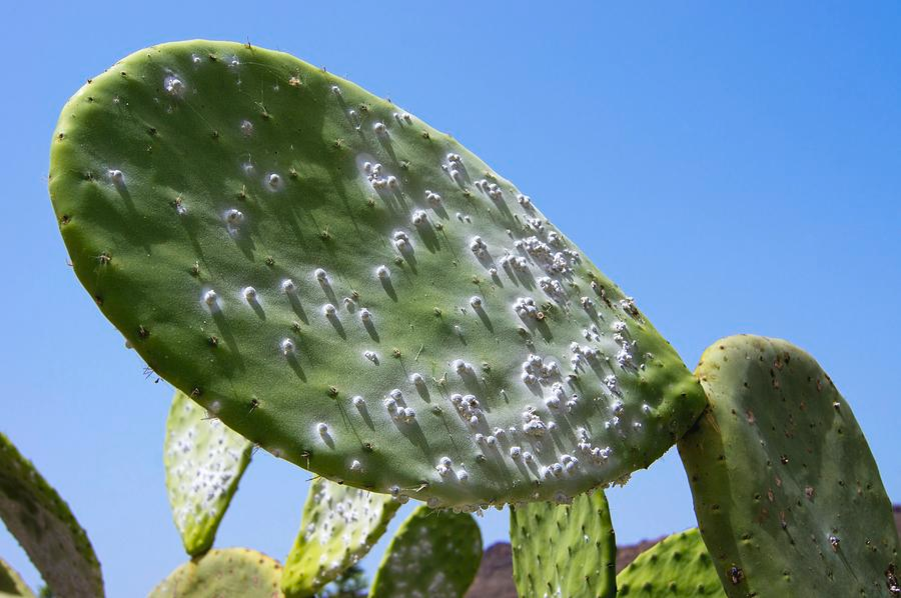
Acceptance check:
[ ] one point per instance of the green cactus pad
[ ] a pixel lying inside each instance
(204, 462)
(564, 550)
(787, 494)
(676, 567)
(11, 583)
(434, 554)
(351, 289)
(227, 572)
(339, 526)
(45, 527)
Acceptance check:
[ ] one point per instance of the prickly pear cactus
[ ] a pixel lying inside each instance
(564, 550)
(676, 567)
(787, 494)
(204, 463)
(340, 525)
(45, 527)
(350, 288)
(434, 554)
(11, 583)
(227, 572)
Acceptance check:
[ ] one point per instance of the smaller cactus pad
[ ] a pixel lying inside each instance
(564, 549)
(11, 583)
(352, 289)
(204, 462)
(434, 554)
(45, 527)
(339, 526)
(787, 494)
(676, 567)
(226, 573)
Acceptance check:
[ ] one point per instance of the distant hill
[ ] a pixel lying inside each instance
(495, 577)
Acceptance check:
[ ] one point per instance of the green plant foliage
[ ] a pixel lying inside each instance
(11, 583)
(339, 526)
(676, 567)
(434, 554)
(45, 527)
(238, 572)
(564, 550)
(204, 462)
(787, 494)
(351, 289)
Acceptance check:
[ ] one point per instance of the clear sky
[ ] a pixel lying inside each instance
(734, 166)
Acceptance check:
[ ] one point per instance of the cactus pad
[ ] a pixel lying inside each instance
(340, 525)
(204, 462)
(433, 553)
(350, 288)
(564, 550)
(676, 567)
(787, 494)
(45, 527)
(220, 573)
(11, 583)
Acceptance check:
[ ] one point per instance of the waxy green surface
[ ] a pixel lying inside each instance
(340, 525)
(434, 553)
(276, 241)
(225, 573)
(204, 462)
(788, 497)
(678, 566)
(564, 549)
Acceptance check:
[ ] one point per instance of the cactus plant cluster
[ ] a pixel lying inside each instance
(340, 524)
(321, 274)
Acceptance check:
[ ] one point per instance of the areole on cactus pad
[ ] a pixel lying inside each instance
(350, 288)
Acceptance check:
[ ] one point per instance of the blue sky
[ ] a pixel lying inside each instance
(734, 166)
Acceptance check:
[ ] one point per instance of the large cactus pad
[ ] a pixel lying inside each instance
(434, 554)
(787, 494)
(204, 462)
(676, 567)
(45, 527)
(11, 583)
(227, 572)
(339, 526)
(564, 550)
(350, 288)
